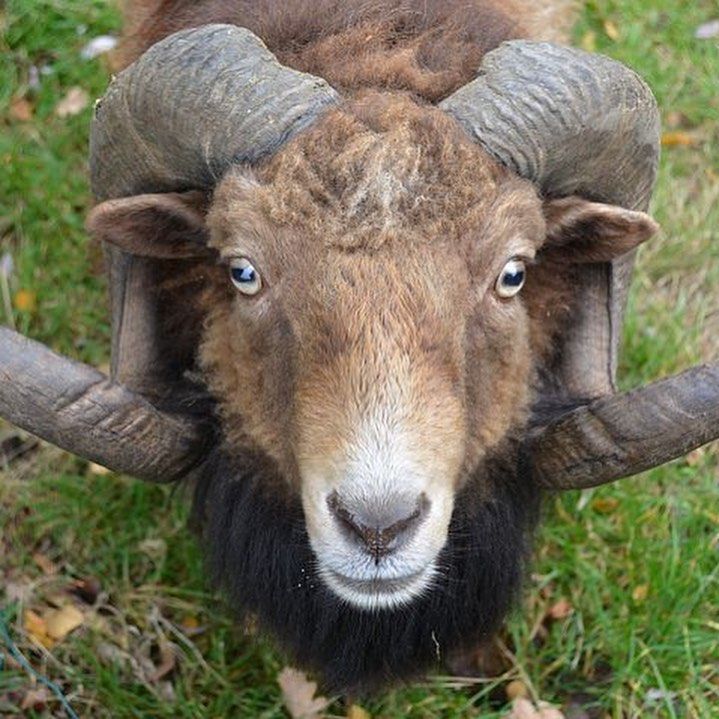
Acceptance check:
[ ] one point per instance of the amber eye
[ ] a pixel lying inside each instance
(511, 279)
(245, 277)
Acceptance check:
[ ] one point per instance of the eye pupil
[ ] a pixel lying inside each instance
(244, 274)
(245, 277)
(511, 279)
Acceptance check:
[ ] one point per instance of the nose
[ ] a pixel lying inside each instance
(382, 531)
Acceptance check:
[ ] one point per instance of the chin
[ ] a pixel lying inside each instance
(361, 634)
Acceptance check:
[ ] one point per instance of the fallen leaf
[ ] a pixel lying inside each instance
(167, 663)
(640, 593)
(357, 712)
(35, 700)
(154, 548)
(98, 469)
(74, 102)
(612, 30)
(707, 30)
(298, 694)
(20, 110)
(677, 138)
(588, 42)
(61, 622)
(25, 301)
(516, 690)
(524, 709)
(36, 629)
(87, 589)
(605, 505)
(560, 609)
(46, 564)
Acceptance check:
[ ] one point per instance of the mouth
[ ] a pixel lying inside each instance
(379, 593)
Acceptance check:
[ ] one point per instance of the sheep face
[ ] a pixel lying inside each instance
(373, 343)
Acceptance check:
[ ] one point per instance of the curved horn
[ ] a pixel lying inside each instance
(193, 104)
(621, 435)
(574, 123)
(79, 409)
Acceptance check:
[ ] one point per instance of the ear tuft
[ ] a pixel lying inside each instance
(162, 226)
(580, 231)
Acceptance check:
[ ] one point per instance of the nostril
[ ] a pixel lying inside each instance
(380, 533)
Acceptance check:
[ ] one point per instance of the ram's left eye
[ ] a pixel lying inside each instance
(511, 279)
(245, 277)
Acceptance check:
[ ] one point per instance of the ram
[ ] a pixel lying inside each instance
(368, 265)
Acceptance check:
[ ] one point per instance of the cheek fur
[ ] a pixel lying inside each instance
(249, 368)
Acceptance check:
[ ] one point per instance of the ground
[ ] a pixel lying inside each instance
(621, 613)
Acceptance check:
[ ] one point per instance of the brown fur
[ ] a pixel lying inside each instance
(429, 48)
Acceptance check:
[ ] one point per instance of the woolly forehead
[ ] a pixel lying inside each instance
(379, 173)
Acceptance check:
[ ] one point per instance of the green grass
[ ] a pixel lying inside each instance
(639, 561)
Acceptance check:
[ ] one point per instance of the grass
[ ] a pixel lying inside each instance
(638, 561)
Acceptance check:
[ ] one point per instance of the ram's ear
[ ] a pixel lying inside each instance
(580, 231)
(166, 226)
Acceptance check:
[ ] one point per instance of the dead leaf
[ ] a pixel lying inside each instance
(707, 30)
(524, 709)
(611, 30)
(677, 138)
(168, 662)
(588, 42)
(35, 700)
(605, 505)
(20, 110)
(298, 694)
(516, 690)
(87, 589)
(60, 622)
(46, 564)
(74, 102)
(357, 712)
(560, 609)
(98, 469)
(36, 629)
(25, 301)
(640, 593)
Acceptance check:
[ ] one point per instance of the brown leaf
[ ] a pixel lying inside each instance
(516, 690)
(25, 301)
(36, 629)
(677, 138)
(74, 102)
(298, 694)
(560, 609)
(20, 110)
(605, 505)
(357, 712)
(167, 664)
(98, 470)
(589, 41)
(640, 593)
(612, 30)
(524, 709)
(35, 700)
(60, 622)
(46, 564)
(87, 589)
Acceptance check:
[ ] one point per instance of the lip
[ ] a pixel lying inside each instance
(378, 593)
(377, 586)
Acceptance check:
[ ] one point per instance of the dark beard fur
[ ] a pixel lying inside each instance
(258, 552)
